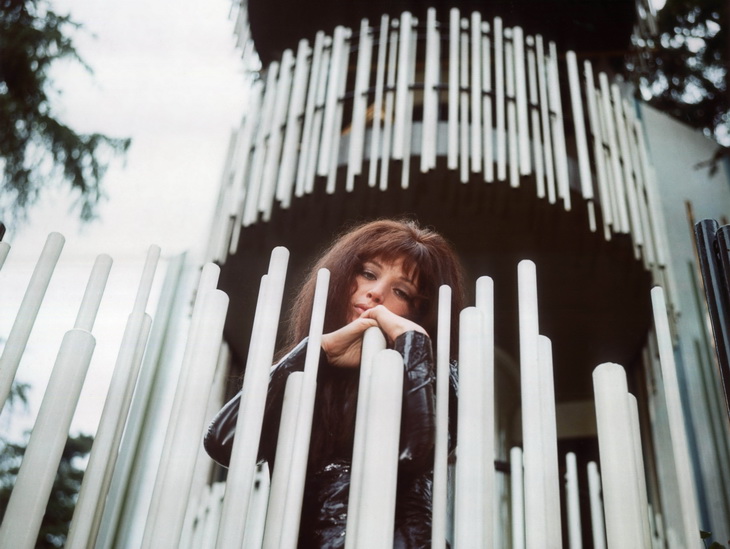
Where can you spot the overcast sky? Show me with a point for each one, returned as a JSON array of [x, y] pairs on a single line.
[[166, 74]]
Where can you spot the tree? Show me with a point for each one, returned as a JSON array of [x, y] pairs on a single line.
[[682, 68], [36, 147]]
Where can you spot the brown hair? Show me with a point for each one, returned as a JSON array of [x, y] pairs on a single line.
[[425, 253]]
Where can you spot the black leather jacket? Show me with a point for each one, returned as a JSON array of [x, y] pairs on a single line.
[[324, 514]]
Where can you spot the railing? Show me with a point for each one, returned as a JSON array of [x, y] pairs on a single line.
[[242, 511]]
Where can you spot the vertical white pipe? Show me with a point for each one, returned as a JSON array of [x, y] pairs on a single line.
[[27, 504], [389, 101], [535, 516], [499, 99], [485, 303], [452, 156], [408, 123], [94, 291], [575, 538], [377, 516], [317, 127], [581, 142], [598, 528], [275, 517], [464, 104], [297, 476], [258, 503], [556, 106], [401, 86], [373, 342], [620, 477], [545, 118], [512, 138], [487, 106], [534, 106], [639, 460], [476, 91], [518, 41], [4, 251], [549, 433], [430, 94], [253, 399], [517, 505], [680, 445], [359, 106], [339, 109], [330, 106], [469, 501], [102, 458], [28, 312], [314, 85], [378, 101], [441, 449]]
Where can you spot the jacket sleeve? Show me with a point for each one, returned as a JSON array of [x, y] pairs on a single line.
[[218, 440], [418, 420]]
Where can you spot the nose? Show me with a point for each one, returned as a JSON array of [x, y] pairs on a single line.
[[375, 294]]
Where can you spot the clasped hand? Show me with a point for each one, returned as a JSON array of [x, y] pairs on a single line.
[[343, 347]]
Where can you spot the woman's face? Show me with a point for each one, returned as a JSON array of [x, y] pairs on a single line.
[[381, 282]]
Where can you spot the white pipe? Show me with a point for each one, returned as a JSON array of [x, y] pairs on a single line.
[[28, 312], [537, 150], [373, 342], [678, 435], [339, 109], [464, 105], [359, 106], [308, 125], [255, 521], [408, 123], [401, 86], [639, 461], [487, 105], [536, 527], [94, 291], [469, 527], [549, 433], [581, 142], [208, 281], [620, 477], [518, 498], [575, 538], [330, 106], [499, 99], [297, 475], [545, 118], [317, 129], [4, 251], [389, 101], [523, 130], [441, 450], [430, 94], [378, 101], [253, 399], [512, 138], [598, 528], [556, 105], [377, 516], [476, 91], [275, 517], [28, 500], [485, 303], [453, 94]]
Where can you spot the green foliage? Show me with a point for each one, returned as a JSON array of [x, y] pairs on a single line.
[[683, 69], [36, 148], [65, 487]]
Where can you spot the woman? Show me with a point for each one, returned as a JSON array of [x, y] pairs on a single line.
[[384, 273]]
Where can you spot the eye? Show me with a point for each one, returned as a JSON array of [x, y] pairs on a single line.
[[401, 294], [367, 274]]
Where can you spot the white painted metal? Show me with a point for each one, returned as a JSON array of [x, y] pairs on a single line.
[[276, 136], [545, 118], [408, 123], [307, 144], [27, 504], [339, 109], [476, 91], [253, 395], [389, 102], [512, 138], [518, 49], [452, 156], [373, 342], [4, 251], [499, 100], [598, 528], [556, 108], [401, 86], [359, 105], [618, 469], [325, 73], [102, 459], [430, 94], [93, 293], [332, 98], [487, 126], [377, 516], [28, 312], [537, 150], [470, 496], [258, 504], [517, 498], [572, 491], [290, 155], [300, 450], [441, 450], [375, 151], [639, 464], [464, 103], [680, 446]]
